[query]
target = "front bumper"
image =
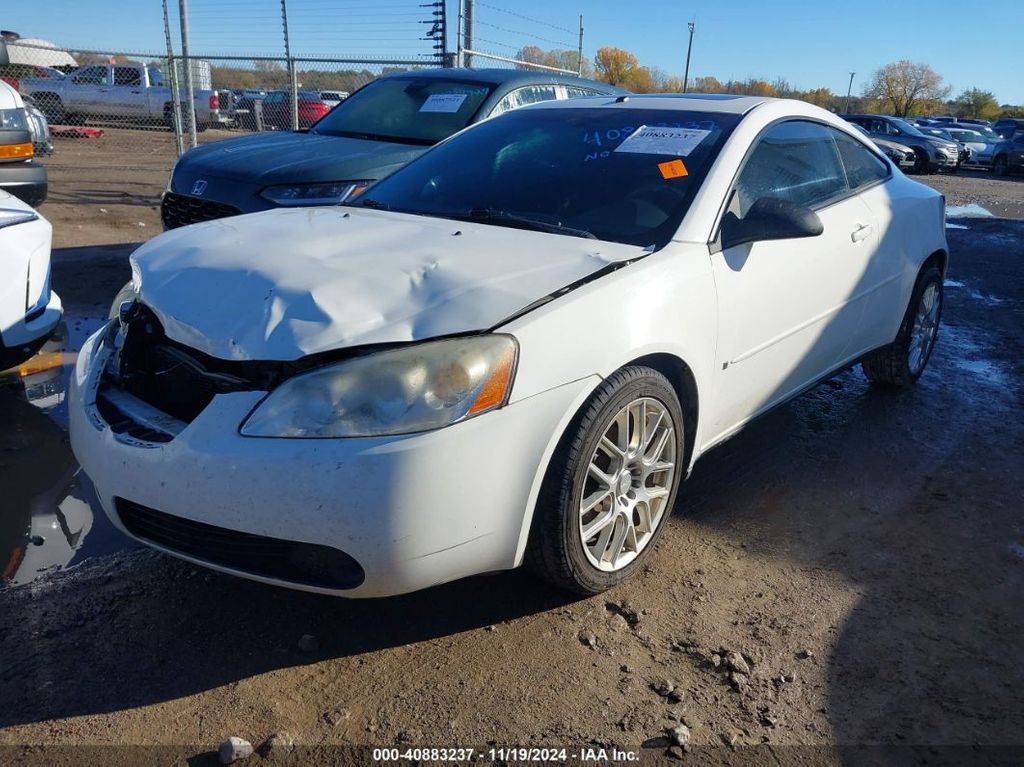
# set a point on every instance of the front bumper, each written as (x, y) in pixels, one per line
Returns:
(24, 338)
(29, 309)
(412, 511)
(25, 180)
(943, 160)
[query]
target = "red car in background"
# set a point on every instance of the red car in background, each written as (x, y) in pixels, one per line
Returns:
(277, 110)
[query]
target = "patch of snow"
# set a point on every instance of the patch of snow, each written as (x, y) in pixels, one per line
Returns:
(967, 211)
(957, 226)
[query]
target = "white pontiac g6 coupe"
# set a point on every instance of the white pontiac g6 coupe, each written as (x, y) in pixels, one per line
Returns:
(511, 350)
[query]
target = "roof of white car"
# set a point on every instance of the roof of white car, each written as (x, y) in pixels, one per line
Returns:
(684, 102)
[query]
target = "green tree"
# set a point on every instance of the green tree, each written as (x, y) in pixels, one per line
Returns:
(974, 102)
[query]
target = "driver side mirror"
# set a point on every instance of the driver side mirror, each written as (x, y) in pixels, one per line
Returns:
(770, 219)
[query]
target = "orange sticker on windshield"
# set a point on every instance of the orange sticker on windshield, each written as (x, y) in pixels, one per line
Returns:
(672, 169)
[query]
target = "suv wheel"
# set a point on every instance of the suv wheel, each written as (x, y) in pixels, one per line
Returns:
(1000, 165)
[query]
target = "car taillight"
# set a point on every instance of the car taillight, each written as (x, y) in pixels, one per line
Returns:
(215, 101)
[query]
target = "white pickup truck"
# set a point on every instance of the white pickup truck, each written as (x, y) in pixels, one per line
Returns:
(127, 91)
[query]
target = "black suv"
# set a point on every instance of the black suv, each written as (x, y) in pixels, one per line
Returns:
(372, 133)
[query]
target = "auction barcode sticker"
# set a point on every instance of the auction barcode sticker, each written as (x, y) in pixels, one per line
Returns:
(443, 102)
(675, 142)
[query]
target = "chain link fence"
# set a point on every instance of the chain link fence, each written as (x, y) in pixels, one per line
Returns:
(117, 129)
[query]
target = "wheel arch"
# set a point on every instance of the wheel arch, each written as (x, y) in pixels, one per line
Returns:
(938, 259)
(683, 381)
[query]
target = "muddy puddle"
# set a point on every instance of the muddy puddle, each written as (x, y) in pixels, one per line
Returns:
(50, 517)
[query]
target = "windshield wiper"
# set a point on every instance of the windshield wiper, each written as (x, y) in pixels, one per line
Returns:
(369, 202)
(503, 218)
(375, 137)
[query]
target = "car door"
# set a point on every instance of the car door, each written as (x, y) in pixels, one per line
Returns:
(126, 97)
(86, 87)
(789, 310)
(880, 288)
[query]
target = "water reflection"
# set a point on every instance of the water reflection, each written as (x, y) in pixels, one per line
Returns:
(50, 517)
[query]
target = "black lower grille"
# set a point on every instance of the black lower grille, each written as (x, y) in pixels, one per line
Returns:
(306, 564)
(180, 210)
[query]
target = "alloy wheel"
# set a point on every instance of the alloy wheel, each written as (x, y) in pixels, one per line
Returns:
(628, 484)
(924, 329)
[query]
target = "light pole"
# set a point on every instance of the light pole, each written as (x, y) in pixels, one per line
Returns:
(689, 48)
(849, 89)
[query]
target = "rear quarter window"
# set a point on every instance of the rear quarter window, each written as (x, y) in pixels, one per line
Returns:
(863, 167)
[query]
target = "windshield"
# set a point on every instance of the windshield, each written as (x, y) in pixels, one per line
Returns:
(906, 127)
(624, 175)
(411, 110)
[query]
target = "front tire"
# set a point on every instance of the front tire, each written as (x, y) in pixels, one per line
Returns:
(921, 162)
(1000, 166)
(611, 484)
(902, 362)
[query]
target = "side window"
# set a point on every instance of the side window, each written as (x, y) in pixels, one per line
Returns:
(127, 76)
(795, 161)
(862, 166)
(91, 76)
(520, 97)
(575, 92)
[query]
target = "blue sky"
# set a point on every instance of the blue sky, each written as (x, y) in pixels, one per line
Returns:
(811, 44)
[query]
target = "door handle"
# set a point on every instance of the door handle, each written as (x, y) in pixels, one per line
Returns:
(861, 232)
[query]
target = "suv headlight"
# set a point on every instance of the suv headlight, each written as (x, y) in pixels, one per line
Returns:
(399, 391)
(14, 119)
(332, 193)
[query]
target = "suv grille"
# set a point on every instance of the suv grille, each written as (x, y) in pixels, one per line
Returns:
(306, 564)
(180, 210)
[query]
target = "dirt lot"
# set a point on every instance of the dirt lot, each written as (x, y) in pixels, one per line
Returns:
(845, 573)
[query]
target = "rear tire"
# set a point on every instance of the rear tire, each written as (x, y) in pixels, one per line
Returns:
(902, 362)
(630, 431)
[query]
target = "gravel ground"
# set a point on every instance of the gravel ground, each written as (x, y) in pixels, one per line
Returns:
(1003, 196)
(846, 573)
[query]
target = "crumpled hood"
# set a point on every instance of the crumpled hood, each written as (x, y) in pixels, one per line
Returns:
(290, 282)
(286, 157)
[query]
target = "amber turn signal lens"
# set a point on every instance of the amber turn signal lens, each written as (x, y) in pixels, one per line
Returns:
(495, 390)
(16, 152)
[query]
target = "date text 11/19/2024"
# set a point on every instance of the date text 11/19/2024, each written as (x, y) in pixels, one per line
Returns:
(507, 754)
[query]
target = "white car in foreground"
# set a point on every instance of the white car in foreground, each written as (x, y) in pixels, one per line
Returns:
(512, 349)
(29, 310)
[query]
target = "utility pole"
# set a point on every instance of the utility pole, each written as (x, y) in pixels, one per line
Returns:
(467, 32)
(689, 48)
(293, 81)
(579, 59)
(172, 79)
(190, 102)
(849, 90)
